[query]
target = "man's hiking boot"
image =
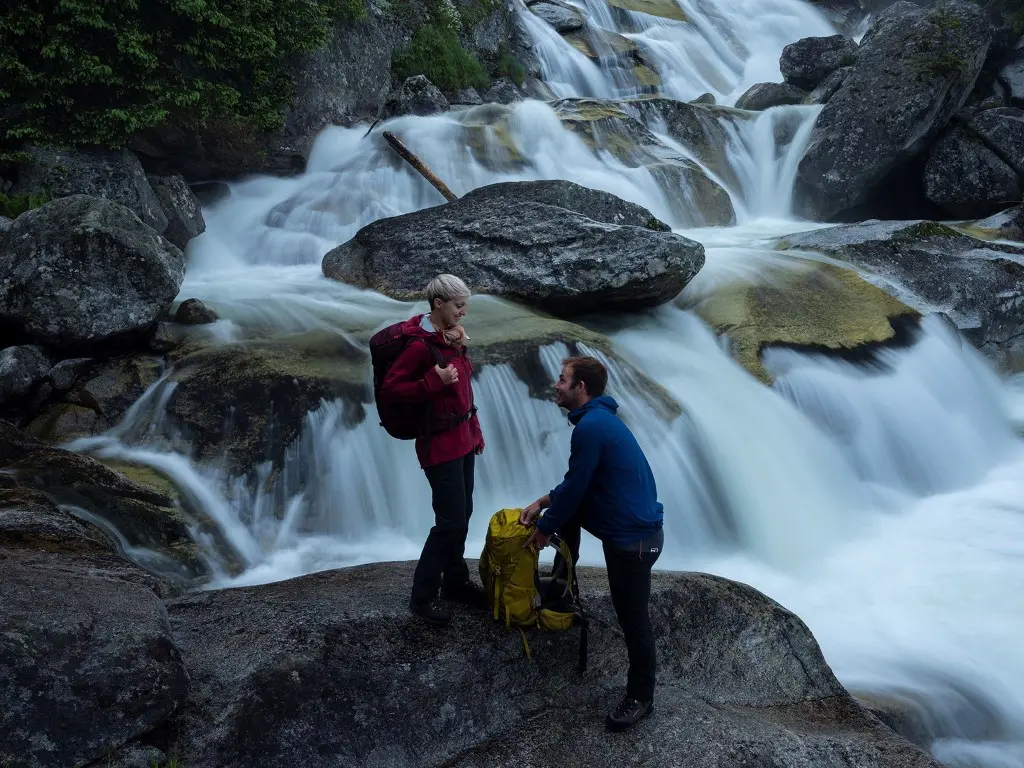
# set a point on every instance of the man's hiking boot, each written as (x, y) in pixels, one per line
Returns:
(432, 611)
(628, 713)
(468, 593)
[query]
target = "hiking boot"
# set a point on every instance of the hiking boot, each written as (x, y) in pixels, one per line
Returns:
(432, 611)
(467, 593)
(628, 713)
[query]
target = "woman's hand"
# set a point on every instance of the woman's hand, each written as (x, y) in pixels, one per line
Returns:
(448, 375)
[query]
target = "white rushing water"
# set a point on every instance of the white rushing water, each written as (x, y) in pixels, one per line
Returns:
(883, 504)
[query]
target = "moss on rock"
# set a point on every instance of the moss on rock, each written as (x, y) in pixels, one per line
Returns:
(247, 402)
(815, 306)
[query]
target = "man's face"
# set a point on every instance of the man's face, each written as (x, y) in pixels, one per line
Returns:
(567, 393)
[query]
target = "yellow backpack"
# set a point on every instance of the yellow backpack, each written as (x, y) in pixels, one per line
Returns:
(510, 577)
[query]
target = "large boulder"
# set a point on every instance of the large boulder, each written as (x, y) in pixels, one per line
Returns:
(111, 174)
(966, 179)
(562, 16)
(336, 672)
(915, 68)
(243, 404)
(82, 271)
(807, 62)
(811, 307)
(543, 243)
(87, 660)
(184, 215)
(767, 95)
(933, 268)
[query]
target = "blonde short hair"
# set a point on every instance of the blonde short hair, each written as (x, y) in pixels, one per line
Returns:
(446, 288)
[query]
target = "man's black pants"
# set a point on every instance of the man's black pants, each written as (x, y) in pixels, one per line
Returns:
(629, 579)
(443, 555)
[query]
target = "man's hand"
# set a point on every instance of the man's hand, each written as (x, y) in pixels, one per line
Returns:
(538, 540)
(480, 447)
(528, 514)
(449, 374)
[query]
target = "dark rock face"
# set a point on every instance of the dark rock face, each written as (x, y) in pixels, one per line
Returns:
(829, 87)
(1002, 131)
(87, 660)
(83, 271)
(965, 178)
(807, 62)
(114, 175)
(978, 285)
(766, 95)
(336, 673)
(915, 68)
(182, 207)
(516, 240)
(22, 369)
(418, 96)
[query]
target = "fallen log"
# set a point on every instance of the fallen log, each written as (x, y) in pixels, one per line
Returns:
(419, 165)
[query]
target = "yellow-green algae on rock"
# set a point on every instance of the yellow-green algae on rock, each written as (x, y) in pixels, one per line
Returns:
(808, 305)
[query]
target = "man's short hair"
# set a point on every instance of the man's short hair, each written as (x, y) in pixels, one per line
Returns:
(446, 288)
(590, 371)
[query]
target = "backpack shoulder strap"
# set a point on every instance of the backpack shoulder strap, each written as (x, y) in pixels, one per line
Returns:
(435, 350)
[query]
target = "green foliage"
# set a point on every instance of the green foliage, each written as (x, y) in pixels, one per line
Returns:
(937, 57)
(1016, 21)
(12, 206)
(435, 51)
(96, 71)
(509, 66)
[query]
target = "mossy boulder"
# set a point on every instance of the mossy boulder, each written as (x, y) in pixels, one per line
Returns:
(245, 403)
(145, 516)
(815, 307)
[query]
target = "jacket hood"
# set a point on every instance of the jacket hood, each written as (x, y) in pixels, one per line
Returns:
(411, 327)
(604, 402)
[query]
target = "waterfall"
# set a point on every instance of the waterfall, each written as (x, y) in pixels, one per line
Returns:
(883, 503)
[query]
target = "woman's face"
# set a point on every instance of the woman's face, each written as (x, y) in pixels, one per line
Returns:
(450, 313)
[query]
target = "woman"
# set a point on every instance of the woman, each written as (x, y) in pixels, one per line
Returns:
(438, 370)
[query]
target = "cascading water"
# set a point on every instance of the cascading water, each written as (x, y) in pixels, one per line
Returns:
(884, 505)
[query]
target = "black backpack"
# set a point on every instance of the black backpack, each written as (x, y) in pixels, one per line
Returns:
(405, 421)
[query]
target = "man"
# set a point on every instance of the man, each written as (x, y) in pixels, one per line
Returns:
(609, 490)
